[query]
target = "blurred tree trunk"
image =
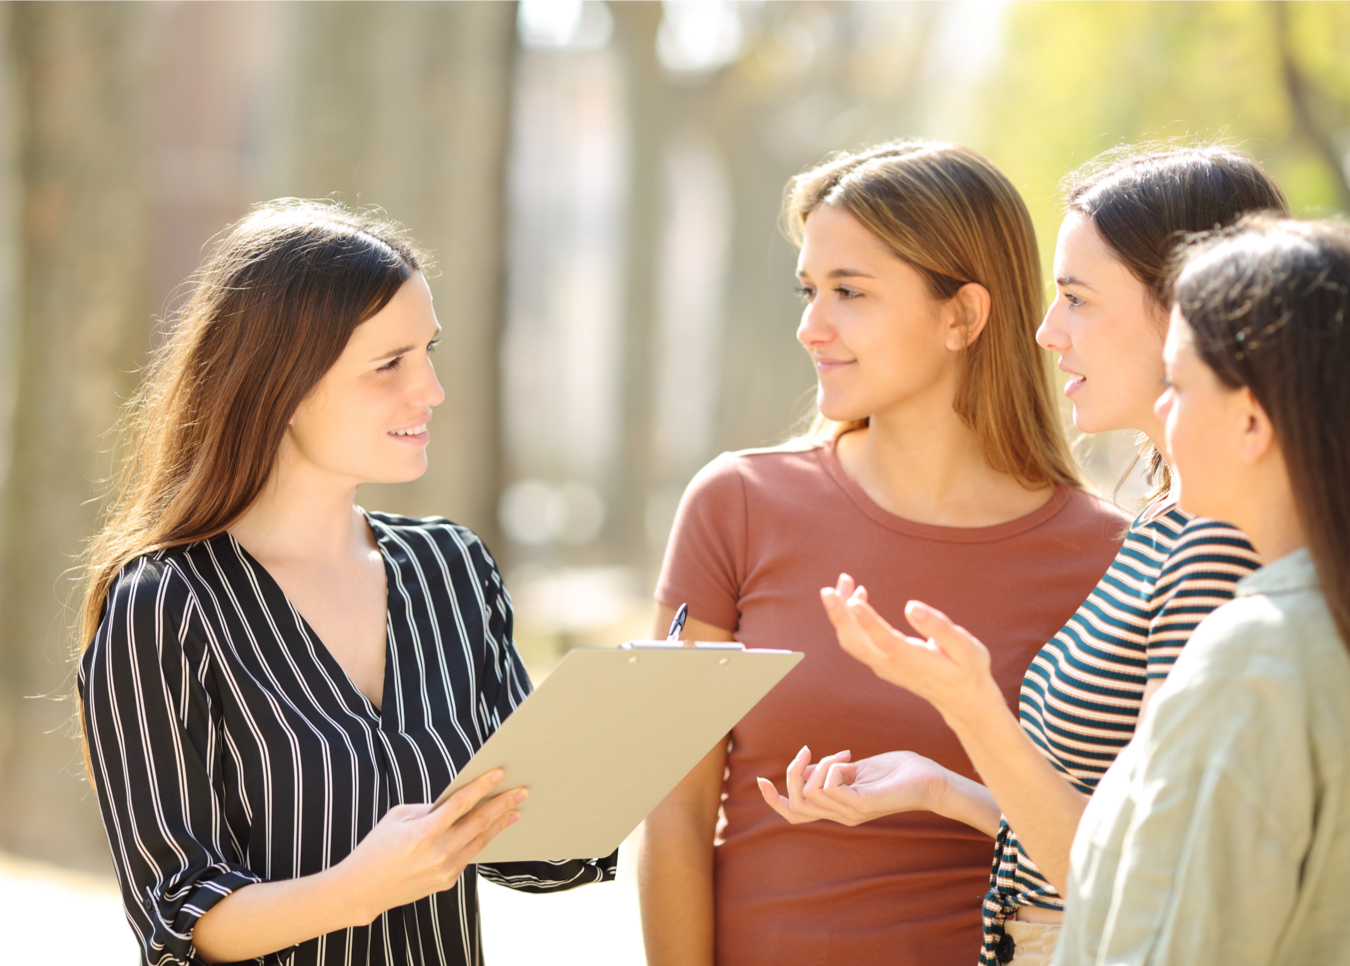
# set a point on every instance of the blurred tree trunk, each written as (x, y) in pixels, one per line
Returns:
(1311, 107)
(635, 25)
(406, 106)
(80, 328)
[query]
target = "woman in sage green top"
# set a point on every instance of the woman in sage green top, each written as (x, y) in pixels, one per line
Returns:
(1221, 834)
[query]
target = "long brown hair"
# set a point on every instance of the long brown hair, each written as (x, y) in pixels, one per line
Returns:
(1269, 306)
(273, 308)
(1145, 199)
(946, 211)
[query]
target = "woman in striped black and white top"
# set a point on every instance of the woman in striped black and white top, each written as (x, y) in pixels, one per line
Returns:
(1086, 689)
(276, 682)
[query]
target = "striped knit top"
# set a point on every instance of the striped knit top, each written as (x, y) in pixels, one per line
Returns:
(229, 747)
(1081, 696)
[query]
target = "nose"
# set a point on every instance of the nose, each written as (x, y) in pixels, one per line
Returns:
(814, 328)
(426, 390)
(1163, 404)
(1051, 334)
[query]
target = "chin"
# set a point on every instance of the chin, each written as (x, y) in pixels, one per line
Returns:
(841, 412)
(1089, 422)
(391, 472)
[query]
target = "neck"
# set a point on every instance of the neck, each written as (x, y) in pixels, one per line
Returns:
(926, 458)
(302, 514)
(927, 466)
(1275, 531)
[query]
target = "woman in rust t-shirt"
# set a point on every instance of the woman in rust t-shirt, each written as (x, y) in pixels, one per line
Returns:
(938, 471)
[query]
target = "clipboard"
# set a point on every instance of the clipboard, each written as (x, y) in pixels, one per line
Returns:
(608, 734)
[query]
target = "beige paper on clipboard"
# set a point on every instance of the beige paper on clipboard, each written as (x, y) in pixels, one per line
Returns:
(608, 734)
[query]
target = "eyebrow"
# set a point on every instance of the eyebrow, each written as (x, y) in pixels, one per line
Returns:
(842, 273)
(403, 349)
(1066, 281)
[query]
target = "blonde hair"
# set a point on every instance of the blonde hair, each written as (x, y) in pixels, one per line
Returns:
(946, 211)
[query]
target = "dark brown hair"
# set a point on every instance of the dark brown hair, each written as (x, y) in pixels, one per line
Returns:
(955, 218)
(1269, 306)
(273, 308)
(1144, 200)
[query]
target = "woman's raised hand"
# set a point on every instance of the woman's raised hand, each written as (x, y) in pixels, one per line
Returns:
(949, 669)
(416, 850)
(852, 792)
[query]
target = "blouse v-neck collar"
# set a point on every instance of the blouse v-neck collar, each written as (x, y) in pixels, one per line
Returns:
(324, 657)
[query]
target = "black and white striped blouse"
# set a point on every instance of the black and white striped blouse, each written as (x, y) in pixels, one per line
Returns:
(229, 747)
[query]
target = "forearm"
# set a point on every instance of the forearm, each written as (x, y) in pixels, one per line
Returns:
(266, 916)
(675, 887)
(1041, 805)
(970, 802)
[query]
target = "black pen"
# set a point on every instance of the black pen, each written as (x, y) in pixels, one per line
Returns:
(677, 624)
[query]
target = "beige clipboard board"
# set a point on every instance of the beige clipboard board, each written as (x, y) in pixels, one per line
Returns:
(608, 734)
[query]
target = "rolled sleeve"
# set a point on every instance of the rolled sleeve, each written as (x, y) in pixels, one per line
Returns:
(155, 753)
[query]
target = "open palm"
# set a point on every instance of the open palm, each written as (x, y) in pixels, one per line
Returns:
(841, 790)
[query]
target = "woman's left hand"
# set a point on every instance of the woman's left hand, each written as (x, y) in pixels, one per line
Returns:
(850, 793)
(950, 669)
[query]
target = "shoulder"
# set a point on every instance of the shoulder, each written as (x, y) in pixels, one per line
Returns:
(149, 600)
(1199, 546)
(756, 481)
(1087, 507)
(431, 539)
(155, 581)
(1265, 639)
(751, 469)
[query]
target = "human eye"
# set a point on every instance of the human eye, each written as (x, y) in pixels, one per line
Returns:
(433, 344)
(804, 293)
(391, 365)
(846, 293)
(1072, 299)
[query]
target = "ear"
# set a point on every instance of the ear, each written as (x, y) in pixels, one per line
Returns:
(1258, 433)
(970, 313)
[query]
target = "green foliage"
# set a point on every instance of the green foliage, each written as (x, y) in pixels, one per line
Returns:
(1077, 78)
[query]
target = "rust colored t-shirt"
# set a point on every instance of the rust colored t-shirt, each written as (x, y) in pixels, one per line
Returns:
(757, 535)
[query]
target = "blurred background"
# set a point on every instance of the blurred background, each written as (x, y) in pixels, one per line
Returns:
(600, 184)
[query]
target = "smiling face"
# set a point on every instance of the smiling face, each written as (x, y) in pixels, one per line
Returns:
(878, 338)
(1108, 331)
(366, 420)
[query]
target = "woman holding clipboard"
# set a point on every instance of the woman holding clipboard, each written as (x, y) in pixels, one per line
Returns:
(938, 467)
(275, 681)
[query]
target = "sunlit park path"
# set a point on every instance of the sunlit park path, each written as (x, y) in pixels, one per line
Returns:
(55, 917)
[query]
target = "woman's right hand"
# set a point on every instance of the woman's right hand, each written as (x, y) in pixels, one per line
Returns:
(951, 669)
(852, 792)
(417, 850)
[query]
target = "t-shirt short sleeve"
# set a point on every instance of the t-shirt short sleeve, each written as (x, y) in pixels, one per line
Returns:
(1200, 574)
(704, 565)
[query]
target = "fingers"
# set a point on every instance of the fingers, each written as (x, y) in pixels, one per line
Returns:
(482, 819)
(464, 855)
(462, 802)
(839, 775)
(816, 779)
(796, 777)
(780, 804)
(954, 639)
(852, 637)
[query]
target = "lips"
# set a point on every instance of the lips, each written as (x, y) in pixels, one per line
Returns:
(413, 434)
(1076, 380)
(827, 365)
